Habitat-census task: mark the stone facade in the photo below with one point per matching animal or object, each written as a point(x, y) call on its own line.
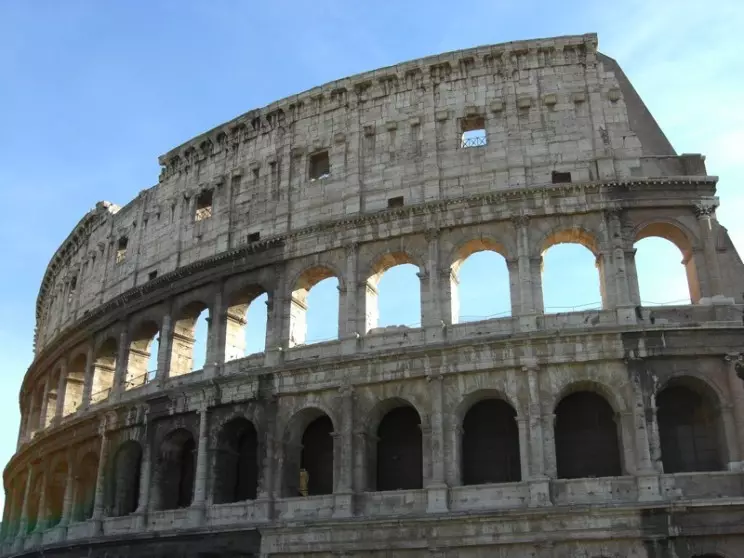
point(612, 432)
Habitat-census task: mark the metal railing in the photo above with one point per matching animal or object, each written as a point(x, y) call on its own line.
point(475, 141)
point(141, 380)
point(100, 395)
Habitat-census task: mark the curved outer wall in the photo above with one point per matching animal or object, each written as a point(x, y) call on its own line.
point(571, 155)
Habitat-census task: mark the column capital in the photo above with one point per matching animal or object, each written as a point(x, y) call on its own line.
point(705, 208)
point(520, 221)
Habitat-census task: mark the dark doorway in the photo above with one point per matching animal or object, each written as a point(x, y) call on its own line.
point(126, 478)
point(399, 453)
point(178, 465)
point(317, 456)
point(236, 474)
point(586, 441)
point(490, 444)
point(688, 431)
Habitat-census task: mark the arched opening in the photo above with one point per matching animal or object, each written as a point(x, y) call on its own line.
point(399, 450)
point(104, 366)
point(126, 478)
point(690, 430)
point(393, 293)
point(74, 383)
point(314, 309)
point(85, 487)
point(479, 282)
point(490, 443)
point(308, 462)
point(572, 277)
point(141, 350)
point(236, 467)
point(176, 470)
point(50, 407)
point(55, 493)
point(190, 334)
point(661, 278)
point(586, 438)
point(247, 315)
point(37, 397)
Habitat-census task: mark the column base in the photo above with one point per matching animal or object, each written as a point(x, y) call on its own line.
point(60, 532)
point(437, 498)
point(264, 507)
point(139, 521)
point(18, 544)
point(540, 493)
point(435, 333)
point(273, 357)
point(343, 504)
point(197, 515)
point(527, 322)
point(649, 489)
point(350, 345)
point(96, 527)
point(736, 466)
point(34, 539)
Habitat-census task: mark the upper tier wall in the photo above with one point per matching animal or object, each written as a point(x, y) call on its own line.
point(546, 105)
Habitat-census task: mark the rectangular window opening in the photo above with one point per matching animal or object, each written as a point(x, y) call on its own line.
point(396, 201)
point(561, 177)
point(473, 132)
point(203, 206)
point(152, 275)
point(254, 237)
point(73, 287)
point(320, 166)
point(121, 249)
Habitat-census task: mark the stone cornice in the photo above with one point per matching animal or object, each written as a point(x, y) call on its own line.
point(607, 188)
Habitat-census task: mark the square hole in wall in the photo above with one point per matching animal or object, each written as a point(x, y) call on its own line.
point(203, 205)
point(560, 177)
point(319, 165)
point(396, 201)
point(254, 237)
point(121, 249)
point(152, 275)
point(473, 132)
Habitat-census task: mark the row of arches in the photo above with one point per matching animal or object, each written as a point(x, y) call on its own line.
point(587, 444)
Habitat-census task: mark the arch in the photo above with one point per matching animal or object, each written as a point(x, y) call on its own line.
point(104, 366)
point(556, 297)
point(85, 487)
point(675, 233)
point(611, 394)
point(236, 464)
point(311, 450)
point(126, 478)
point(74, 384)
point(490, 443)
point(144, 340)
point(54, 493)
point(249, 299)
point(399, 449)
point(489, 271)
point(308, 280)
point(406, 287)
point(190, 338)
point(176, 470)
point(690, 426)
point(586, 437)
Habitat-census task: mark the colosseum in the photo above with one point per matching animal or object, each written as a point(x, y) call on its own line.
point(615, 432)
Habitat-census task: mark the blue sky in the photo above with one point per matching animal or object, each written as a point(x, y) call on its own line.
point(92, 92)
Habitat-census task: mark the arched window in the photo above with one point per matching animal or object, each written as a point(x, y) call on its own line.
point(479, 280)
point(571, 273)
point(399, 450)
point(74, 383)
point(236, 470)
point(393, 293)
point(308, 463)
point(586, 439)
point(689, 429)
point(490, 443)
point(665, 266)
point(55, 493)
point(142, 348)
point(51, 400)
point(246, 323)
point(176, 470)
point(104, 367)
point(190, 339)
point(314, 310)
point(85, 487)
point(126, 478)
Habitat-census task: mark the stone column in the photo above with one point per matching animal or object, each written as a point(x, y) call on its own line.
point(61, 390)
point(265, 496)
point(198, 505)
point(536, 269)
point(548, 428)
point(98, 502)
point(143, 503)
point(278, 324)
point(44, 405)
point(88, 381)
point(654, 441)
point(735, 366)
point(535, 450)
point(23, 523)
point(625, 422)
point(41, 508)
point(6, 515)
point(165, 347)
point(731, 435)
point(348, 304)
point(360, 456)
point(216, 336)
point(705, 213)
point(616, 244)
point(646, 474)
point(436, 309)
point(437, 492)
point(29, 431)
point(524, 271)
point(343, 497)
point(122, 363)
point(68, 498)
point(631, 274)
